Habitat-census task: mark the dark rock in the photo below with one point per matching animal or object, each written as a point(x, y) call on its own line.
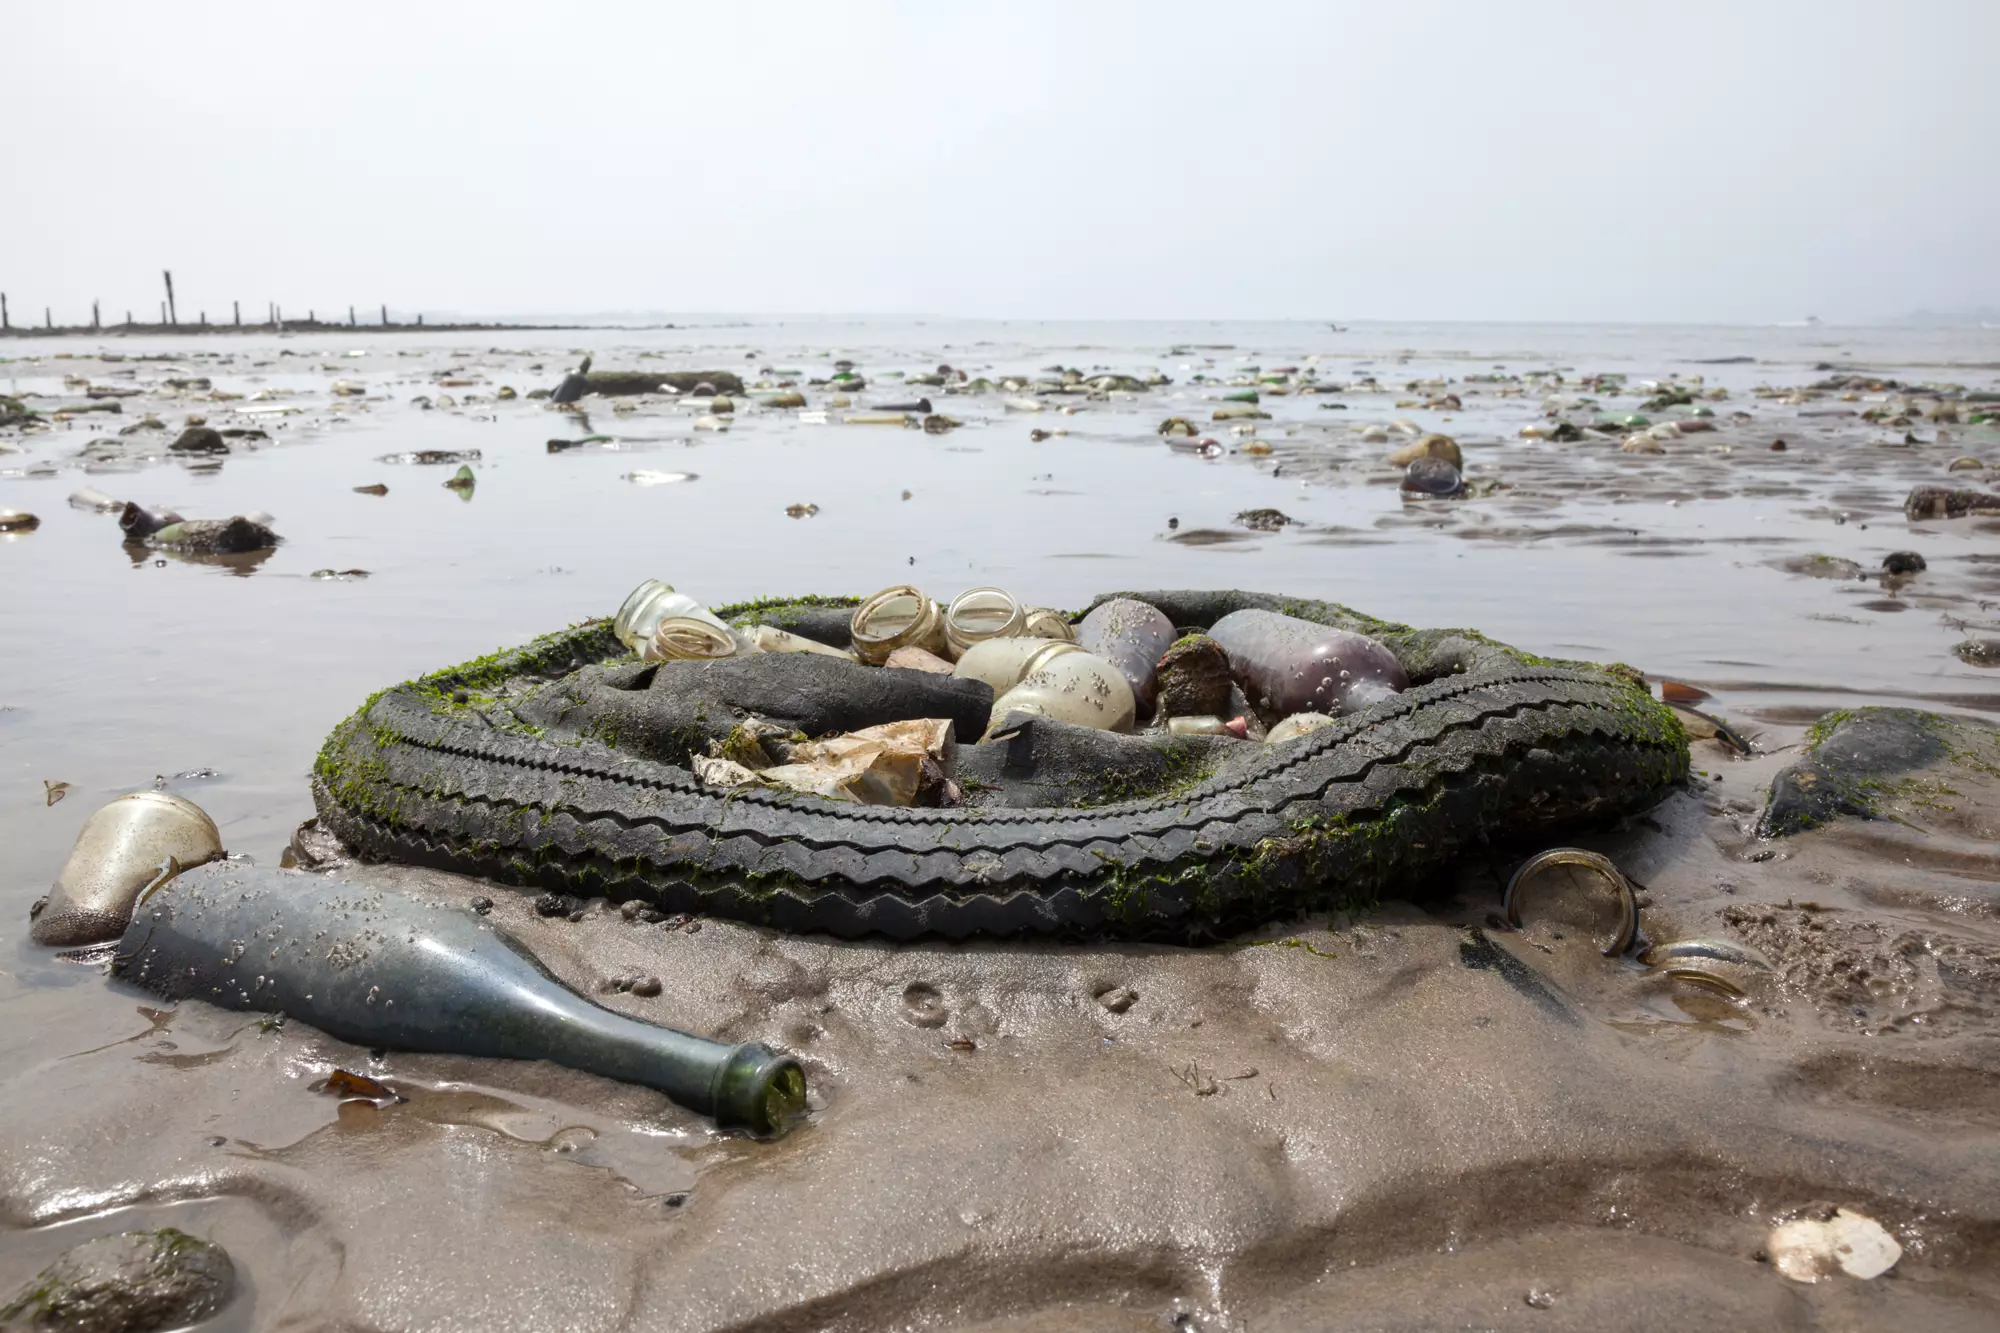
point(1949, 502)
point(646, 987)
point(200, 440)
point(555, 905)
point(132, 1282)
point(1978, 652)
point(1847, 759)
point(482, 904)
point(1194, 678)
point(1903, 562)
point(1432, 477)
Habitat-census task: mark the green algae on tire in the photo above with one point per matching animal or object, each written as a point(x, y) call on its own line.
point(1488, 744)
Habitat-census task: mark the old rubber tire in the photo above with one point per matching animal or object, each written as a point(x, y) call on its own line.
point(1488, 744)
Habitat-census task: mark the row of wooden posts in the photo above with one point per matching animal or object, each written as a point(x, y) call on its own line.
point(170, 314)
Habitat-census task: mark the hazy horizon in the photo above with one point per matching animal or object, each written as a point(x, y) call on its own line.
point(1537, 163)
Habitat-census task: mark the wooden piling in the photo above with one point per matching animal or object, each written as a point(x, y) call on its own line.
point(93, 316)
point(173, 314)
point(236, 312)
point(5, 321)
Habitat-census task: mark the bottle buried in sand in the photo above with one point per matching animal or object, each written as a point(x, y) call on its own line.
point(1077, 687)
point(134, 841)
point(1287, 665)
point(1132, 636)
point(382, 970)
point(1575, 892)
point(898, 617)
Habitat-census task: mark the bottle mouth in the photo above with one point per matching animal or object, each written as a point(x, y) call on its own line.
point(978, 614)
point(683, 638)
point(1042, 622)
point(628, 612)
point(891, 619)
point(760, 1091)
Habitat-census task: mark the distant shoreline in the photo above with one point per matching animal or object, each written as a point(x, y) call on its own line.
point(286, 326)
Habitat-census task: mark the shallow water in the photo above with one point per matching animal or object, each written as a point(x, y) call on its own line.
point(118, 671)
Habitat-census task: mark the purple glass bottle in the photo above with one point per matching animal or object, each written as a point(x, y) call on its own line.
point(1287, 665)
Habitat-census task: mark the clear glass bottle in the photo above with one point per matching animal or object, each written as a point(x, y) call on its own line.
point(693, 639)
point(638, 620)
point(898, 617)
point(978, 614)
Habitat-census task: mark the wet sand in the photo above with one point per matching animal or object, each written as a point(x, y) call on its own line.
point(1338, 1122)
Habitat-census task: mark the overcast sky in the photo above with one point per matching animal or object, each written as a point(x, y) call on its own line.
point(1606, 159)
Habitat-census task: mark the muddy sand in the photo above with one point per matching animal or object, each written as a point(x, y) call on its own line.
point(1407, 1116)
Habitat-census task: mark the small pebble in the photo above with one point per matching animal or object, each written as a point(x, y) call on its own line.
point(1118, 999)
point(482, 905)
point(646, 986)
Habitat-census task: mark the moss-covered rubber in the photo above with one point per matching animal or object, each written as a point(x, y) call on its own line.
point(1488, 744)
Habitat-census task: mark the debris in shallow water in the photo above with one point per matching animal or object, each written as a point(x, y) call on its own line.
point(1118, 999)
point(1700, 726)
point(428, 457)
point(1432, 478)
point(377, 489)
point(341, 574)
point(462, 480)
point(1807, 1250)
point(346, 1084)
point(18, 520)
point(645, 477)
point(54, 791)
point(1978, 652)
point(1932, 502)
point(801, 510)
point(1674, 692)
point(1264, 520)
